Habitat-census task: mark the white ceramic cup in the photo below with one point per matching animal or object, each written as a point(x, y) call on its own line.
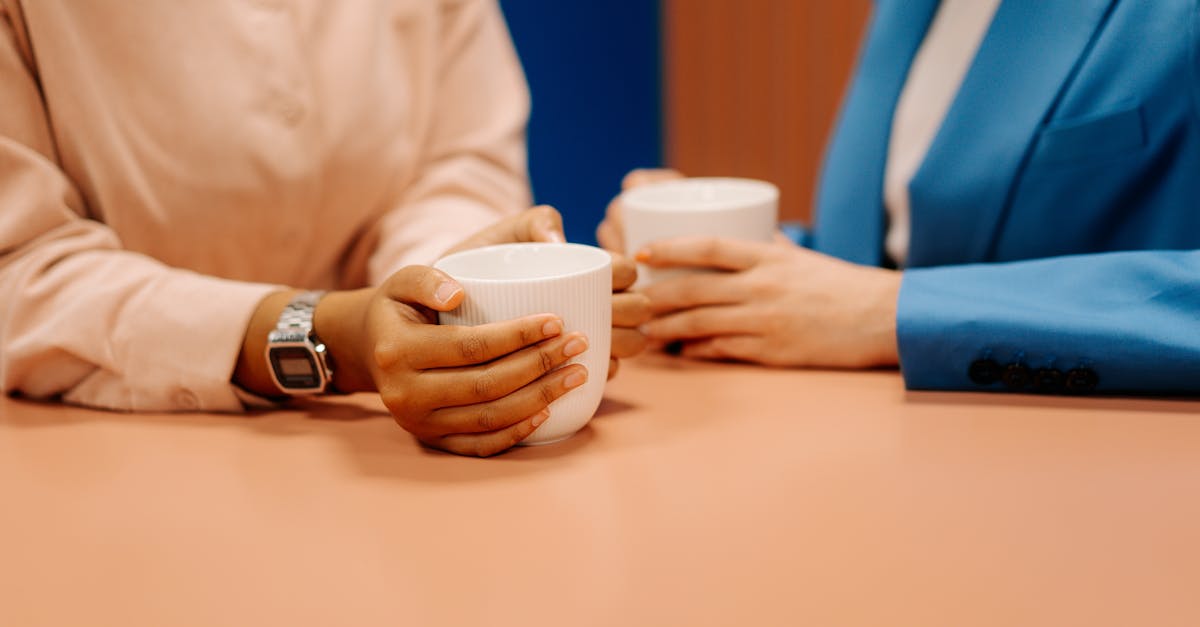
point(571, 281)
point(722, 207)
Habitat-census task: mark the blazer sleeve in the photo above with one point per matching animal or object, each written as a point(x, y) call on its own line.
point(473, 168)
point(1123, 322)
point(80, 318)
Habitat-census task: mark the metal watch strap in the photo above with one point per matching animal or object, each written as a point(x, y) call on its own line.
point(298, 314)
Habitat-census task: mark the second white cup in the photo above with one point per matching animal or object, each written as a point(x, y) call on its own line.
point(571, 281)
point(734, 208)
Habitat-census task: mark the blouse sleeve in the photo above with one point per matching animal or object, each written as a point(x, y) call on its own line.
point(81, 318)
point(472, 171)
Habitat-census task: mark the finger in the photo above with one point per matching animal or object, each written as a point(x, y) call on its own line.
point(702, 252)
point(627, 343)
point(624, 272)
point(646, 176)
point(609, 233)
point(613, 366)
point(697, 290)
point(423, 285)
point(480, 384)
point(629, 309)
point(488, 444)
point(654, 345)
point(539, 224)
point(729, 347)
point(449, 346)
point(507, 410)
point(700, 323)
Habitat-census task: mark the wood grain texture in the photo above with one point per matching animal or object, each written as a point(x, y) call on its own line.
point(752, 87)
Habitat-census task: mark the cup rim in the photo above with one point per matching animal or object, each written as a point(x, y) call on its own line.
point(602, 257)
point(769, 190)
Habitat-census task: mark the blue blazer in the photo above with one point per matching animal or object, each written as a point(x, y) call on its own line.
point(1056, 218)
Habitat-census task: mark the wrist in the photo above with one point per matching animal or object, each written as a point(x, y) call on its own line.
point(339, 320)
point(882, 319)
point(252, 372)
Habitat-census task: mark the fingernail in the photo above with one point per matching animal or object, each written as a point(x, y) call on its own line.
point(552, 328)
point(643, 255)
point(540, 417)
point(575, 379)
point(553, 236)
point(445, 292)
point(575, 347)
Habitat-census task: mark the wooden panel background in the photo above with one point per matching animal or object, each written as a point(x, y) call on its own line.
point(752, 87)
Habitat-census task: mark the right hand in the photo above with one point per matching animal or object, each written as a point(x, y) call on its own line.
point(537, 224)
point(611, 232)
point(468, 390)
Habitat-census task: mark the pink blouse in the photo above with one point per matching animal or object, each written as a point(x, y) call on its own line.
point(164, 165)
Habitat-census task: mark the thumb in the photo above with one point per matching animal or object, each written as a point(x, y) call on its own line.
point(540, 224)
point(426, 286)
point(646, 176)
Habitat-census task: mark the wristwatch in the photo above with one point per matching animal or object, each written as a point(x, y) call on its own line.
point(298, 361)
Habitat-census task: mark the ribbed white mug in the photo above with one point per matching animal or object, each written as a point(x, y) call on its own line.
point(722, 207)
point(571, 281)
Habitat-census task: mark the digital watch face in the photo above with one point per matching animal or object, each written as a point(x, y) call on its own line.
point(294, 367)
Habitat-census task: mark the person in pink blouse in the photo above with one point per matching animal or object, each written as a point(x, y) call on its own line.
point(173, 176)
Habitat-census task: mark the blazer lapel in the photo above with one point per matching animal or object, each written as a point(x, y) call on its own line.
point(849, 203)
point(961, 191)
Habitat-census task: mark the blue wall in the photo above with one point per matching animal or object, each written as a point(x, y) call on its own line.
point(593, 68)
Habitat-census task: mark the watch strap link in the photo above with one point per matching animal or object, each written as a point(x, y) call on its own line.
point(297, 316)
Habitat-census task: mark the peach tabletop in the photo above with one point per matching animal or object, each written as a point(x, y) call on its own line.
point(703, 494)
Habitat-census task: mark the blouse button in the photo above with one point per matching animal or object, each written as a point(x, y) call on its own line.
point(186, 399)
point(292, 112)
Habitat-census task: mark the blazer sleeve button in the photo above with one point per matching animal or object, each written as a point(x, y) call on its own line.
point(1016, 376)
point(984, 372)
point(1048, 380)
point(1081, 380)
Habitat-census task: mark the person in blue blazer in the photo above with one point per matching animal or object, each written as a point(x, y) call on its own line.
point(1055, 217)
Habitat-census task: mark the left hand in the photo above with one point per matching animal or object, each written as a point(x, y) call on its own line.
point(544, 224)
point(775, 304)
point(611, 232)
